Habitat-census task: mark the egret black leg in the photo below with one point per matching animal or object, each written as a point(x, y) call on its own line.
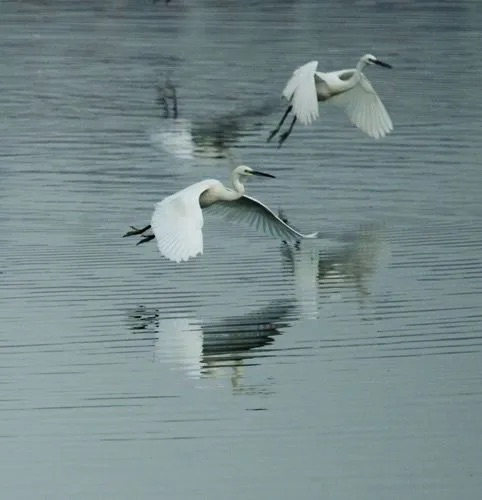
point(135, 230)
point(284, 135)
point(147, 238)
point(276, 130)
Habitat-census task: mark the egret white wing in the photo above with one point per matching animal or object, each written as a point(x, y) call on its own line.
point(251, 211)
point(365, 109)
point(301, 92)
point(177, 223)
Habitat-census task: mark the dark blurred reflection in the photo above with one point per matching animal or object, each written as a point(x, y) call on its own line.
point(211, 348)
point(226, 346)
point(209, 137)
point(143, 320)
point(167, 98)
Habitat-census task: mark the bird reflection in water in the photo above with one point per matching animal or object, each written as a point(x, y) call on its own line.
point(321, 273)
point(204, 138)
point(166, 93)
point(225, 347)
point(353, 264)
point(212, 348)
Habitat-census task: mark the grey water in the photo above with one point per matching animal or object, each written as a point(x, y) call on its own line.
point(345, 367)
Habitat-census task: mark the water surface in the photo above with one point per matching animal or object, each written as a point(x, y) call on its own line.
point(347, 367)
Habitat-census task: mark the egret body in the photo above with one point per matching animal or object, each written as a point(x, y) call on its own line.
point(177, 220)
point(349, 89)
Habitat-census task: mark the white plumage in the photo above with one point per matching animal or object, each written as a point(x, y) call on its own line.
point(177, 220)
point(301, 91)
point(348, 89)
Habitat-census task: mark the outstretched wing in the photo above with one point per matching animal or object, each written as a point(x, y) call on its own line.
point(251, 211)
point(177, 223)
point(301, 92)
point(365, 109)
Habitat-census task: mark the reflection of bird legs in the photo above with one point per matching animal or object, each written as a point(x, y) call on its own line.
point(174, 104)
point(135, 231)
point(161, 100)
point(168, 91)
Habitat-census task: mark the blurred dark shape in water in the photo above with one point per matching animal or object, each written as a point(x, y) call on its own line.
point(203, 346)
point(166, 92)
point(206, 137)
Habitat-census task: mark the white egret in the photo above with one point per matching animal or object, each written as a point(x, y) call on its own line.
point(347, 88)
point(177, 220)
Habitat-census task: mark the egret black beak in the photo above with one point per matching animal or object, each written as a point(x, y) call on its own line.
point(255, 172)
point(381, 63)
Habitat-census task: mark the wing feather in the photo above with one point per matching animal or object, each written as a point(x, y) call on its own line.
point(251, 211)
point(301, 92)
point(365, 109)
point(177, 223)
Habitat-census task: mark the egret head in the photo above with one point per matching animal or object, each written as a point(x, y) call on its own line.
point(371, 59)
point(245, 171)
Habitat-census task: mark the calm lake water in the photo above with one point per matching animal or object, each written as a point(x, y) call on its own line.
point(346, 368)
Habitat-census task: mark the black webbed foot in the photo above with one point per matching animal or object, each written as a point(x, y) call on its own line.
point(272, 134)
point(282, 138)
point(147, 238)
point(135, 230)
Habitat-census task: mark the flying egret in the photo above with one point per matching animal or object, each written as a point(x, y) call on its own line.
point(348, 89)
point(177, 220)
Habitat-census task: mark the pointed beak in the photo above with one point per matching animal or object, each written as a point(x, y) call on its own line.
point(255, 172)
point(381, 63)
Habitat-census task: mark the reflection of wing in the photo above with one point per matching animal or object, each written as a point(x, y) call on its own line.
point(242, 333)
point(346, 264)
point(365, 109)
point(177, 222)
point(301, 92)
point(303, 263)
point(180, 341)
point(253, 212)
point(210, 138)
point(207, 349)
point(174, 136)
point(355, 263)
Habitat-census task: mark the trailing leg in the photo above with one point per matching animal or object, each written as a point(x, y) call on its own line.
point(135, 230)
point(147, 238)
point(284, 135)
point(276, 130)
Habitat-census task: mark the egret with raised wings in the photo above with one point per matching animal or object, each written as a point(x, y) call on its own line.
point(347, 88)
point(177, 220)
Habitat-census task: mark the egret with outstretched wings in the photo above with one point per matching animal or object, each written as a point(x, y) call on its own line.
point(177, 220)
point(347, 88)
